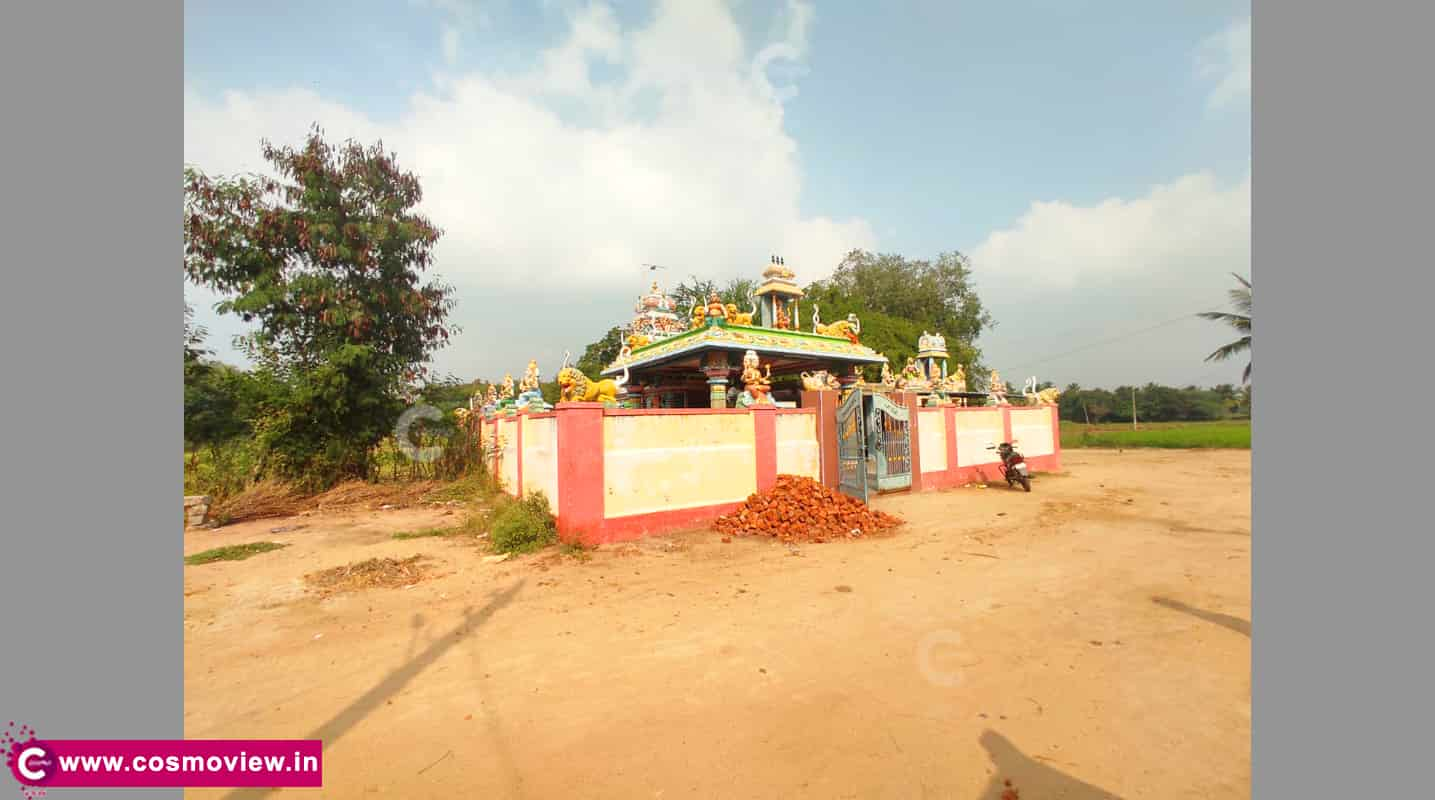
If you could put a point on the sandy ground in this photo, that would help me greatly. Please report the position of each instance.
(1088, 640)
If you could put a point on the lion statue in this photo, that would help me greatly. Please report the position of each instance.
(1045, 397)
(575, 387)
(847, 329)
(735, 317)
(699, 315)
(637, 340)
(820, 381)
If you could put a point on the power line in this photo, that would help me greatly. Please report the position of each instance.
(1000, 342)
(1111, 340)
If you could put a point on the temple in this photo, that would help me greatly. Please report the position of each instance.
(700, 367)
(703, 407)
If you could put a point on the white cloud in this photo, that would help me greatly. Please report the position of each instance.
(1191, 224)
(1225, 57)
(1094, 278)
(554, 180)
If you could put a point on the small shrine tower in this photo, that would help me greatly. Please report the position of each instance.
(777, 297)
(932, 356)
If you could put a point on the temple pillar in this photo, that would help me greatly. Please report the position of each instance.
(717, 387)
(717, 370)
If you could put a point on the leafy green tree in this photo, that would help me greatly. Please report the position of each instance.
(1240, 320)
(327, 260)
(737, 291)
(897, 298)
(601, 353)
(194, 336)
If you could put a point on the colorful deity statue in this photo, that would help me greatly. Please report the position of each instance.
(715, 307)
(756, 384)
(490, 400)
(957, 382)
(782, 322)
(911, 374)
(530, 394)
(889, 381)
(506, 392)
(996, 388)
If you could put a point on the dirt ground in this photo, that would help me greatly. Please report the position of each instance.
(1090, 639)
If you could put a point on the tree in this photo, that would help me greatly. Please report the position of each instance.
(598, 355)
(737, 291)
(896, 298)
(194, 336)
(327, 260)
(1241, 321)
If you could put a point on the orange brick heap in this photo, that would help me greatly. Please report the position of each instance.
(800, 509)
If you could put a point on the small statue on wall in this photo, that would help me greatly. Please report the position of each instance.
(957, 382)
(531, 394)
(996, 389)
(1045, 397)
(889, 381)
(756, 385)
(506, 393)
(911, 374)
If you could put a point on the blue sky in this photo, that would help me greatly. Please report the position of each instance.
(1092, 159)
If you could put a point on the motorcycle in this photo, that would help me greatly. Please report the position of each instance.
(1014, 467)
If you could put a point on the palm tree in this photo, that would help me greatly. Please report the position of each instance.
(1241, 321)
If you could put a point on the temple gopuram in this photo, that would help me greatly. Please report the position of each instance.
(701, 366)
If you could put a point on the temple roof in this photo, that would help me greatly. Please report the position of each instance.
(766, 341)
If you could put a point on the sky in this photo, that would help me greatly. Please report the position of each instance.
(1093, 160)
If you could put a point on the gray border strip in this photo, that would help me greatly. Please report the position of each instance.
(1342, 548)
(90, 571)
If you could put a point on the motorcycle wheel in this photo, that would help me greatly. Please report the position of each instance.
(1025, 483)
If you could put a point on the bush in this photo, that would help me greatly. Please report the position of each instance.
(522, 526)
(222, 470)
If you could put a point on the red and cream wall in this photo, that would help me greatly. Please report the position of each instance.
(614, 474)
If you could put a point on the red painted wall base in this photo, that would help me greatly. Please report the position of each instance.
(626, 529)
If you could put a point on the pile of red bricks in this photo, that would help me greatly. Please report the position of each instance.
(800, 509)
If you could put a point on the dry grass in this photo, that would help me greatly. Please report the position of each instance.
(273, 499)
(264, 499)
(374, 573)
(361, 494)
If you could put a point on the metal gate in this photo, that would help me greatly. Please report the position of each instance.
(851, 447)
(890, 445)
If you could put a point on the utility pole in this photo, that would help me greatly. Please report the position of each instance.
(1133, 408)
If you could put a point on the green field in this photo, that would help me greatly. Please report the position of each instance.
(1231, 434)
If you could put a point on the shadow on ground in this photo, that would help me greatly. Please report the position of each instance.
(1021, 777)
(346, 719)
(1236, 624)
